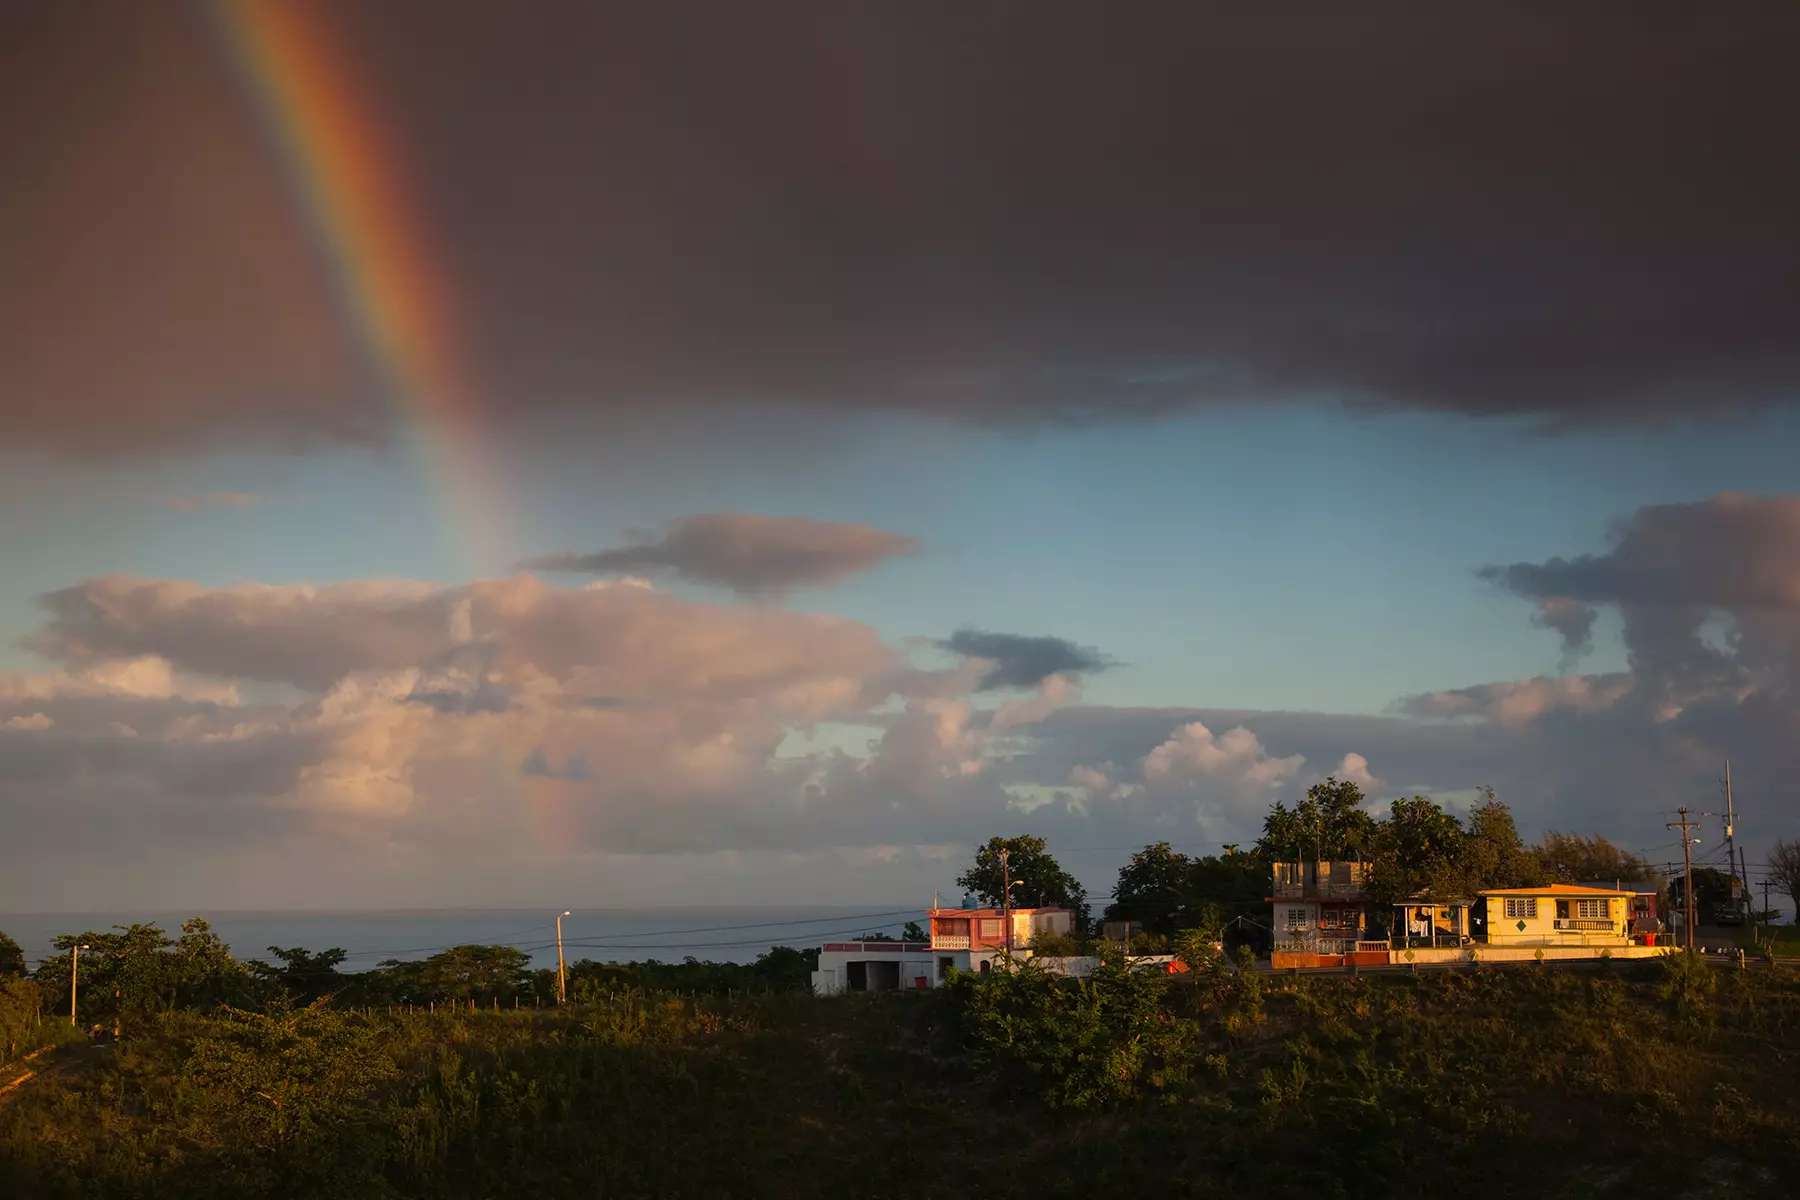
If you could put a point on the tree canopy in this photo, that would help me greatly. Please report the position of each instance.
(1572, 858)
(1041, 880)
(12, 958)
(1166, 891)
(1784, 871)
(1328, 825)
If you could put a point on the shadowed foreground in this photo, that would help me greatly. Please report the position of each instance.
(1673, 1079)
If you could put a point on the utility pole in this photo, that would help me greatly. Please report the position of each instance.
(1730, 843)
(1687, 863)
(561, 975)
(1006, 896)
(74, 970)
(1744, 870)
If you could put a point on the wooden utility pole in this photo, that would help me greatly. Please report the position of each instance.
(1006, 896)
(561, 975)
(74, 970)
(1687, 865)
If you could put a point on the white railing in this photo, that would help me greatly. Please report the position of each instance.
(949, 941)
(1586, 923)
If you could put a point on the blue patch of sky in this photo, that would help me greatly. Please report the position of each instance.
(1273, 558)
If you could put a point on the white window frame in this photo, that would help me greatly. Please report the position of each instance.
(992, 927)
(1298, 920)
(1521, 908)
(1593, 910)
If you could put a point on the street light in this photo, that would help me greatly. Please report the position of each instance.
(561, 976)
(74, 969)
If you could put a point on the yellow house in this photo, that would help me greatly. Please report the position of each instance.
(1560, 914)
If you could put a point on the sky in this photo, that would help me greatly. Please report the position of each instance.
(604, 455)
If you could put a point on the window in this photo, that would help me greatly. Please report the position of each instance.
(992, 927)
(1593, 910)
(1521, 907)
(1296, 918)
(1328, 918)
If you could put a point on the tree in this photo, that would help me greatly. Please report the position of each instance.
(914, 932)
(1784, 872)
(302, 976)
(1712, 888)
(1493, 856)
(1042, 883)
(1222, 888)
(1151, 887)
(475, 972)
(1329, 825)
(1418, 848)
(875, 937)
(1572, 858)
(12, 959)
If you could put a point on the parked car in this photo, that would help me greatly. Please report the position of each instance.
(1728, 914)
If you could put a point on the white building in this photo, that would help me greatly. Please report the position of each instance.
(962, 939)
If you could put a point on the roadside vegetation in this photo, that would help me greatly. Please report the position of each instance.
(1497, 1082)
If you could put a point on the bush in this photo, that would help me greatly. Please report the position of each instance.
(1073, 1043)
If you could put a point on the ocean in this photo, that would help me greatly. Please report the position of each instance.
(602, 934)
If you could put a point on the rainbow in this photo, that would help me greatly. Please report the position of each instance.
(346, 182)
(348, 189)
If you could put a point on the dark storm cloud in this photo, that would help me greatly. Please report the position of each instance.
(746, 552)
(1572, 621)
(1068, 213)
(1709, 595)
(1021, 661)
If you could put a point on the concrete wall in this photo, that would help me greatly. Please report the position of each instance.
(1492, 954)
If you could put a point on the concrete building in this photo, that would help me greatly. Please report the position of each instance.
(1321, 914)
(962, 939)
(873, 967)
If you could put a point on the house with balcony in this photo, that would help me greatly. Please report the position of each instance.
(1321, 915)
(1647, 914)
(1560, 915)
(970, 938)
(962, 939)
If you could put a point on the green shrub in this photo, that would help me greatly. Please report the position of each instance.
(1073, 1043)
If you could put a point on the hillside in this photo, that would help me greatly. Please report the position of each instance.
(1675, 1081)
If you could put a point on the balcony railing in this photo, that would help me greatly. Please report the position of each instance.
(1586, 924)
(950, 941)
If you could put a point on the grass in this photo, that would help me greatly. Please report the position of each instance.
(1482, 1083)
(1785, 937)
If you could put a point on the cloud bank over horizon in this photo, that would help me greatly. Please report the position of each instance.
(446, 721)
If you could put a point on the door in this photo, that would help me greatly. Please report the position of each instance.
(856, 976)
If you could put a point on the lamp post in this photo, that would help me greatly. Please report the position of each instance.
(561, 976)
(74, 970)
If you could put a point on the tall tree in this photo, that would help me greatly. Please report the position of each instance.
(1419, 847)
(1042, 883)
(1493, 855)
(12, 959)
(302, 975)
(1151, 887)
(1712, 888)
(1329, 825)
(1572, 858)
(1784, 872)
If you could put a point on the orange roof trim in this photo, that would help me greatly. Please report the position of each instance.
(1556, 889)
